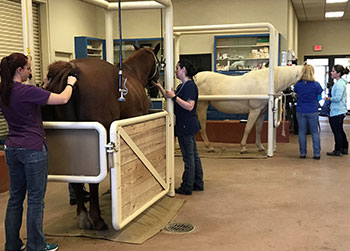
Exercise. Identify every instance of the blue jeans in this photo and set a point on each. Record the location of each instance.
(311, 120)
(28, 173)
(193, 173)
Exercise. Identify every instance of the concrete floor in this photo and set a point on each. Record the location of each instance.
(278, 204)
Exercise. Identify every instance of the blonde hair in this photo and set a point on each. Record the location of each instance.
(308, 73)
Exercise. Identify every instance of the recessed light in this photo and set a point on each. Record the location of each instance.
(334, 14)
(336, 1)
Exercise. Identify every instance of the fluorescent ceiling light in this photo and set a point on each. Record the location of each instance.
(336, 1)
(334, 14)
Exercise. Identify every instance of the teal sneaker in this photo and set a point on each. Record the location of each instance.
(51, 247)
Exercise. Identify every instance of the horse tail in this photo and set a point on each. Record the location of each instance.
(58, 73)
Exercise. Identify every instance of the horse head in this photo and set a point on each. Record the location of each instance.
(154, 72)
(57, 75)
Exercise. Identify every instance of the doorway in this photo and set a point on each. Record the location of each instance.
(323, 66)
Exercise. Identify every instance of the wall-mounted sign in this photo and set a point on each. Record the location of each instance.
(317, 47)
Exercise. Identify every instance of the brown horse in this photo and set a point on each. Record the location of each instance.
(95, 98)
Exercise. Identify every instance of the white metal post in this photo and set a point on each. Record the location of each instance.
(28, 40)
(109, 36)
(169, 76)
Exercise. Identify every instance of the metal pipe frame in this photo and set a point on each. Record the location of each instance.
(273, 36)
(102, 151)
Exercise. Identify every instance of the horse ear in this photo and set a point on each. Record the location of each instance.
(136, 47)
(156, 49)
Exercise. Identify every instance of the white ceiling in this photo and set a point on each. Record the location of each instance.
(309, 10)
(314, 10)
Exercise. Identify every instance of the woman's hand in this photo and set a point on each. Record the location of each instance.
(156, 84)
(170, 94)
(71, 80)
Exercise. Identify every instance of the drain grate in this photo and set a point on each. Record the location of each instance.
(179, 227)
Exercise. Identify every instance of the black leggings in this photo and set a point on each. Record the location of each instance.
(340, 139)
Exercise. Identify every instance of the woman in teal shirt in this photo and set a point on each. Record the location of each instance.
(338, 111)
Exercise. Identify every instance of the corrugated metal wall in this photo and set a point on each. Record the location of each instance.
(11, 40)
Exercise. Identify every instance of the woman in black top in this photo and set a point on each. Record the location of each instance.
(185, 99)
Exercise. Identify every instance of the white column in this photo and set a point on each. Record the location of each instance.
(27, 26)
(109, 36)
(169, 77)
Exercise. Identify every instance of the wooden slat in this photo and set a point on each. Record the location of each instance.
(138, 185)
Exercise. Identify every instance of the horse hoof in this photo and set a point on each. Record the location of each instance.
(100, 225)
(211, 150)
(84, 222)
(244, 151)
(97, 222)
(260, 148)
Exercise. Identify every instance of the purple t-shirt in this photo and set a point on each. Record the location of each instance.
(23, 116)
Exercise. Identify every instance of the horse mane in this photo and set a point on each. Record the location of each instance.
(137, 53)
(57, 75)
(285, 76)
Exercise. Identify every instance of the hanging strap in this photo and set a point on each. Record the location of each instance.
(122, 87)
(162, 59)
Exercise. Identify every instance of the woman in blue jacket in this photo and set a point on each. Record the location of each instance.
(338, 111)
(307, 111)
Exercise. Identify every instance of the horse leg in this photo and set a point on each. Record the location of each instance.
(202, 108)
(84, 221)
(252, 117)
(259, 124)
(95, 212)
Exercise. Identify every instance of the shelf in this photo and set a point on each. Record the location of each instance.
(242, 59)
(89, 47)
(239, 54)
(94, 49)
(241, 46)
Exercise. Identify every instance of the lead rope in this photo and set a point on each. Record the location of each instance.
(284, 100)
(122, 89)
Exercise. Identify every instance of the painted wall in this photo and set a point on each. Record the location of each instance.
(207, 12)
(69, 18)
(292, 29)
(332, 35)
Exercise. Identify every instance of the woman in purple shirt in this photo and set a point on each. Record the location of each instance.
(26, 150)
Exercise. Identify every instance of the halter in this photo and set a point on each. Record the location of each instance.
(157, 68)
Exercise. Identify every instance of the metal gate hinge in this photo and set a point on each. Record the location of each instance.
(110, 147)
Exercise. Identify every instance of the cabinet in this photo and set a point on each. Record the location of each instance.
(238, 54)
(90, 47)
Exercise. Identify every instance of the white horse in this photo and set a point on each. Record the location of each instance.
(252, 83)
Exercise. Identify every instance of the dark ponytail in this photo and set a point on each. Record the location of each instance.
(190, 70)
(8, 69)
(340, 69)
